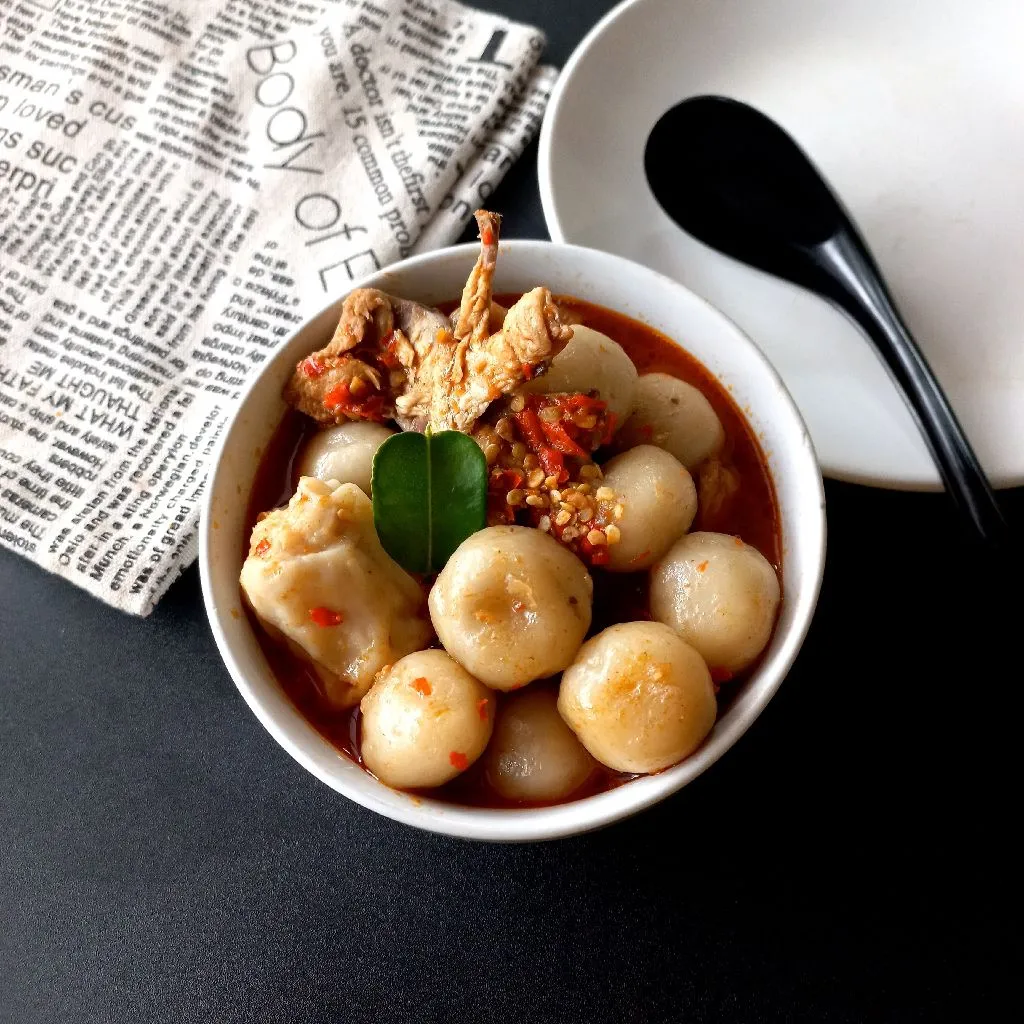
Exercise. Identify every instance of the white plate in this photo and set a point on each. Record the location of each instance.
(914, 111)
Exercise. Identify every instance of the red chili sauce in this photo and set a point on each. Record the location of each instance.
(751, 513)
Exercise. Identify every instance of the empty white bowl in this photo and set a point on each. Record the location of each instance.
(596, 277)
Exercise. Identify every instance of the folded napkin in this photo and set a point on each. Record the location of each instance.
(180, 185)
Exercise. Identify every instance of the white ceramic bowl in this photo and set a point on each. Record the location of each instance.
(597, 277)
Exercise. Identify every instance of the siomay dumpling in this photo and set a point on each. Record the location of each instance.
(317, 574)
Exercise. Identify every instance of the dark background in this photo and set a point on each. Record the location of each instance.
(162, 859)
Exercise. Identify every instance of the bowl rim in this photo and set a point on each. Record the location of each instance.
(579, 816)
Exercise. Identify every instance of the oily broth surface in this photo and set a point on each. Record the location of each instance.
(752, 515)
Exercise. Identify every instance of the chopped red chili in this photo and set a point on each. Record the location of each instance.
(560, 440)
(721, 675)
(389, 354)
(595, 554)
(702, 567)
(529, 424)
(340, 399)
(487, 236)
(553, 464)
(458, 760)
(312, 367)
(481, 708)
(338, 396)
(422, 685)
(506, 479)
(527, 370)
(581, 401)
(534, 430)
(325, 617)
(263, 547)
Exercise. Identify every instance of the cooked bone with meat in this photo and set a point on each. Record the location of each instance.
(463, 374)
(391, 357)
(379, 341)
(472, 321)
(317, 574)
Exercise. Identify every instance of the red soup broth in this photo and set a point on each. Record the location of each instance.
(751, 513)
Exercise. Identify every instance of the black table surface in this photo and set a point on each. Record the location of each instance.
(162, 859)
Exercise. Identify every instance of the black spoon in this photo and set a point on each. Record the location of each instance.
(732, 178)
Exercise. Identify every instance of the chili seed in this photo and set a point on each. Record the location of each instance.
(613, 534)
(515, 496)
(536, 478)
(562, 518)
(535, 500)
(605, 494)
(544, 524)
(596, 537)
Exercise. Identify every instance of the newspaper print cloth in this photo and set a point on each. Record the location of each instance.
(181, 183)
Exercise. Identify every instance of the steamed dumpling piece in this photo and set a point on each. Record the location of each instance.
(534, 756)
(592, 360)
(344, 453)
(317, 574)
(512, 605)
(720, 595)
(425, 720)
(638, 697)
(673, 415)
(658, 499)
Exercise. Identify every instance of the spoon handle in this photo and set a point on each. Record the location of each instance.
(856, 286)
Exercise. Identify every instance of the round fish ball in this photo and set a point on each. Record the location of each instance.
(534, 756)
(512, 605)
(592, 360)
(720, 595)
(344, 453)
(425, 720)
(675, 416)
(638, 697)
(659, 501)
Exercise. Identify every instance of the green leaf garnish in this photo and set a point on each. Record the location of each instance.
(429, 494)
